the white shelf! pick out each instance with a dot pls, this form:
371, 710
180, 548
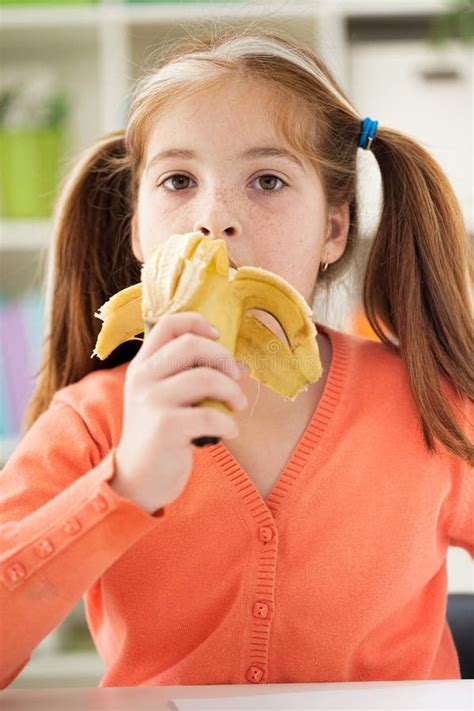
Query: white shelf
129, 13
33, 234
17, 18
367, 8
190, 12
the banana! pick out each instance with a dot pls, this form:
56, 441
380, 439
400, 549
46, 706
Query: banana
190, 272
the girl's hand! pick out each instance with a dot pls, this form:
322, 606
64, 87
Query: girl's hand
154, 455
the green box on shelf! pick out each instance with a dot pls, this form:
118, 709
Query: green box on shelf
24, 3
176, 2
30, 164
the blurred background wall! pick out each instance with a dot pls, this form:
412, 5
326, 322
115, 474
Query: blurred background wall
67, 69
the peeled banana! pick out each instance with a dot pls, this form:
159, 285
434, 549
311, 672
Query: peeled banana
190, 272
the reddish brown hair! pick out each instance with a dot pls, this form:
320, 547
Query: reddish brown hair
419, 271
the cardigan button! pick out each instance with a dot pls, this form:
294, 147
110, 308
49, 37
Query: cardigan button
99, 503
72, 526
254, 675
44, 548
265, 533
15, 572
260, 609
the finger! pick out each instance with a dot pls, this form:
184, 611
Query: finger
192, 423
190, 387
191, 350
170, 326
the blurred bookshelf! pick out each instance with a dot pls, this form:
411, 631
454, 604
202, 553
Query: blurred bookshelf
379, 51
96, 51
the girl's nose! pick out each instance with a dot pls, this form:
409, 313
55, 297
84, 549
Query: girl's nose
217, 232
218, 214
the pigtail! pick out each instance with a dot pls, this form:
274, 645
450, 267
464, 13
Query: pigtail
90, 259
418, 283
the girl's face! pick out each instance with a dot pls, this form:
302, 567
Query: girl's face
211, 165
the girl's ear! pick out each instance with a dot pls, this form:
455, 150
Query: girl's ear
336, 233
136, 246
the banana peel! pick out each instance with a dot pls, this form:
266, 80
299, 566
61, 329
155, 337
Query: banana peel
190, 272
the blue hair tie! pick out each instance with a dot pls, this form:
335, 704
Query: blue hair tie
367, 132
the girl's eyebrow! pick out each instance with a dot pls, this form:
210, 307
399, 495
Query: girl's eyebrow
255, 152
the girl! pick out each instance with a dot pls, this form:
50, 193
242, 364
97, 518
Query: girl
310, 543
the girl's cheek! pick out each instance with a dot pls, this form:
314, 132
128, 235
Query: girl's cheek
263, 216
267, 227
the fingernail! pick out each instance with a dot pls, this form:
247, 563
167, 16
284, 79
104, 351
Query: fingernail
215, 331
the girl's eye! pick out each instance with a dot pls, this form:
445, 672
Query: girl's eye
272, 178
178, 178
177, 181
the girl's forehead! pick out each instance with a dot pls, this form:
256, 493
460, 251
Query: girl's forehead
219, 108
228, 119
204, 117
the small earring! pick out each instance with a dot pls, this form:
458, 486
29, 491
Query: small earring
325, 267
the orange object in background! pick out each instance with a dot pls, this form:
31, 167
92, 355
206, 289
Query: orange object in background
362, 327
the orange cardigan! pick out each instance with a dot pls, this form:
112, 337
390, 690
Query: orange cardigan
339, 575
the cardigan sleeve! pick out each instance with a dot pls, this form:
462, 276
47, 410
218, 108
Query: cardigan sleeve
461, 531
461, 519
61, 526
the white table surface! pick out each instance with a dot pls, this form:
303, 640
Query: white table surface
450, 695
